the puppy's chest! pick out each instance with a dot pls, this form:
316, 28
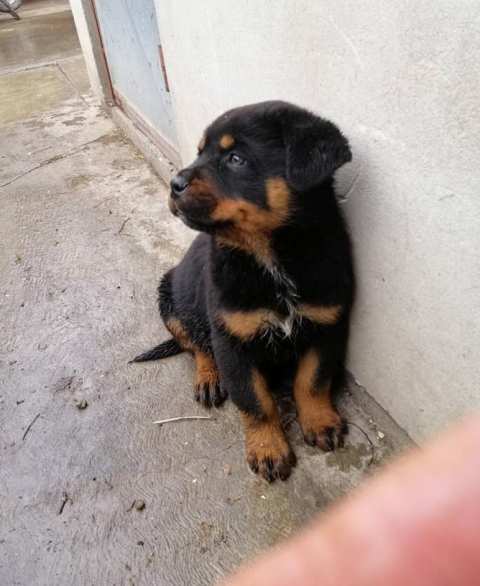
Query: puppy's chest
279, 310
286, 312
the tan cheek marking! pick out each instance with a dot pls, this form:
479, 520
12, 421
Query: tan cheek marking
321, 314
246, 324
237, 211
226, 141
251, 218
253, 225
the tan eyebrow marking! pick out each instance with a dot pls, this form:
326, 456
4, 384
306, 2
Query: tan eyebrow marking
226, 141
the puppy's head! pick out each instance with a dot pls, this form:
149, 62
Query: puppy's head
253, 165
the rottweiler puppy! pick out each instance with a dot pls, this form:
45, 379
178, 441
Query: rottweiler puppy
262, 299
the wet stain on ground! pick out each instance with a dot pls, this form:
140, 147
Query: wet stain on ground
77, 121
79, 181
112, 138
38, 124
210, 537
349, 457
124, 164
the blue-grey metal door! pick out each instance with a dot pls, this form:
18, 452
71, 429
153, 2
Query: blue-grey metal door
132, 47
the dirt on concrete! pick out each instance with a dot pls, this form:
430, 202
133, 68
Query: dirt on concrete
91, 491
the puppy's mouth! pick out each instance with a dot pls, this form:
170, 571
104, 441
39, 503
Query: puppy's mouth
201, 226
172, 206
193, 219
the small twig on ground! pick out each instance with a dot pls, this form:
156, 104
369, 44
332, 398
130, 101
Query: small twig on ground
106, 200
230, 500
372, 446
29, 426
65, 500
123, 225
182, 418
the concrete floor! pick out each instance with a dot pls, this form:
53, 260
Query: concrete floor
86, 235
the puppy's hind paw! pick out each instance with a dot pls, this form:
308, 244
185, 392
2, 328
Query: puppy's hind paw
328, 437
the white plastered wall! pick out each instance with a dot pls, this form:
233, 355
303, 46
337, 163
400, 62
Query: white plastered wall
402, 79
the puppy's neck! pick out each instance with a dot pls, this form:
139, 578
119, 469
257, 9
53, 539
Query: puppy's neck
278, 246
259, 248
257, 245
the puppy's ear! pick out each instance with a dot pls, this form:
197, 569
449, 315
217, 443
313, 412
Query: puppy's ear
315, 149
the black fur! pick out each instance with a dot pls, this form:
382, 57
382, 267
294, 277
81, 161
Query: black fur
310, 258
164, 350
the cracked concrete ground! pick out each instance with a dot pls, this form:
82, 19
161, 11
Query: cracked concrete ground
85, 236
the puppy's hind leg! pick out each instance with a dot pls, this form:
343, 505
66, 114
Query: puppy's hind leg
207, 391
192, 335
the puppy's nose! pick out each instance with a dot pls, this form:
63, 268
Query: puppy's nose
178, 184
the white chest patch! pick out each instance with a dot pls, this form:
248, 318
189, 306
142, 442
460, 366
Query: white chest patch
288, 295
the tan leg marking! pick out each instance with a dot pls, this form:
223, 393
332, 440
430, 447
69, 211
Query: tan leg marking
320, 423
207, 372
208, 391
268, 451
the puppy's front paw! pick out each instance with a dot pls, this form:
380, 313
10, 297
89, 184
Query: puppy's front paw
268, 452
272, 466
327, 433
210, 393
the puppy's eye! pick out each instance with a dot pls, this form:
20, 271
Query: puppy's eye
235, 160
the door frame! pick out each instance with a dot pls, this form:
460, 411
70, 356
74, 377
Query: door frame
114, 99
90, 14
